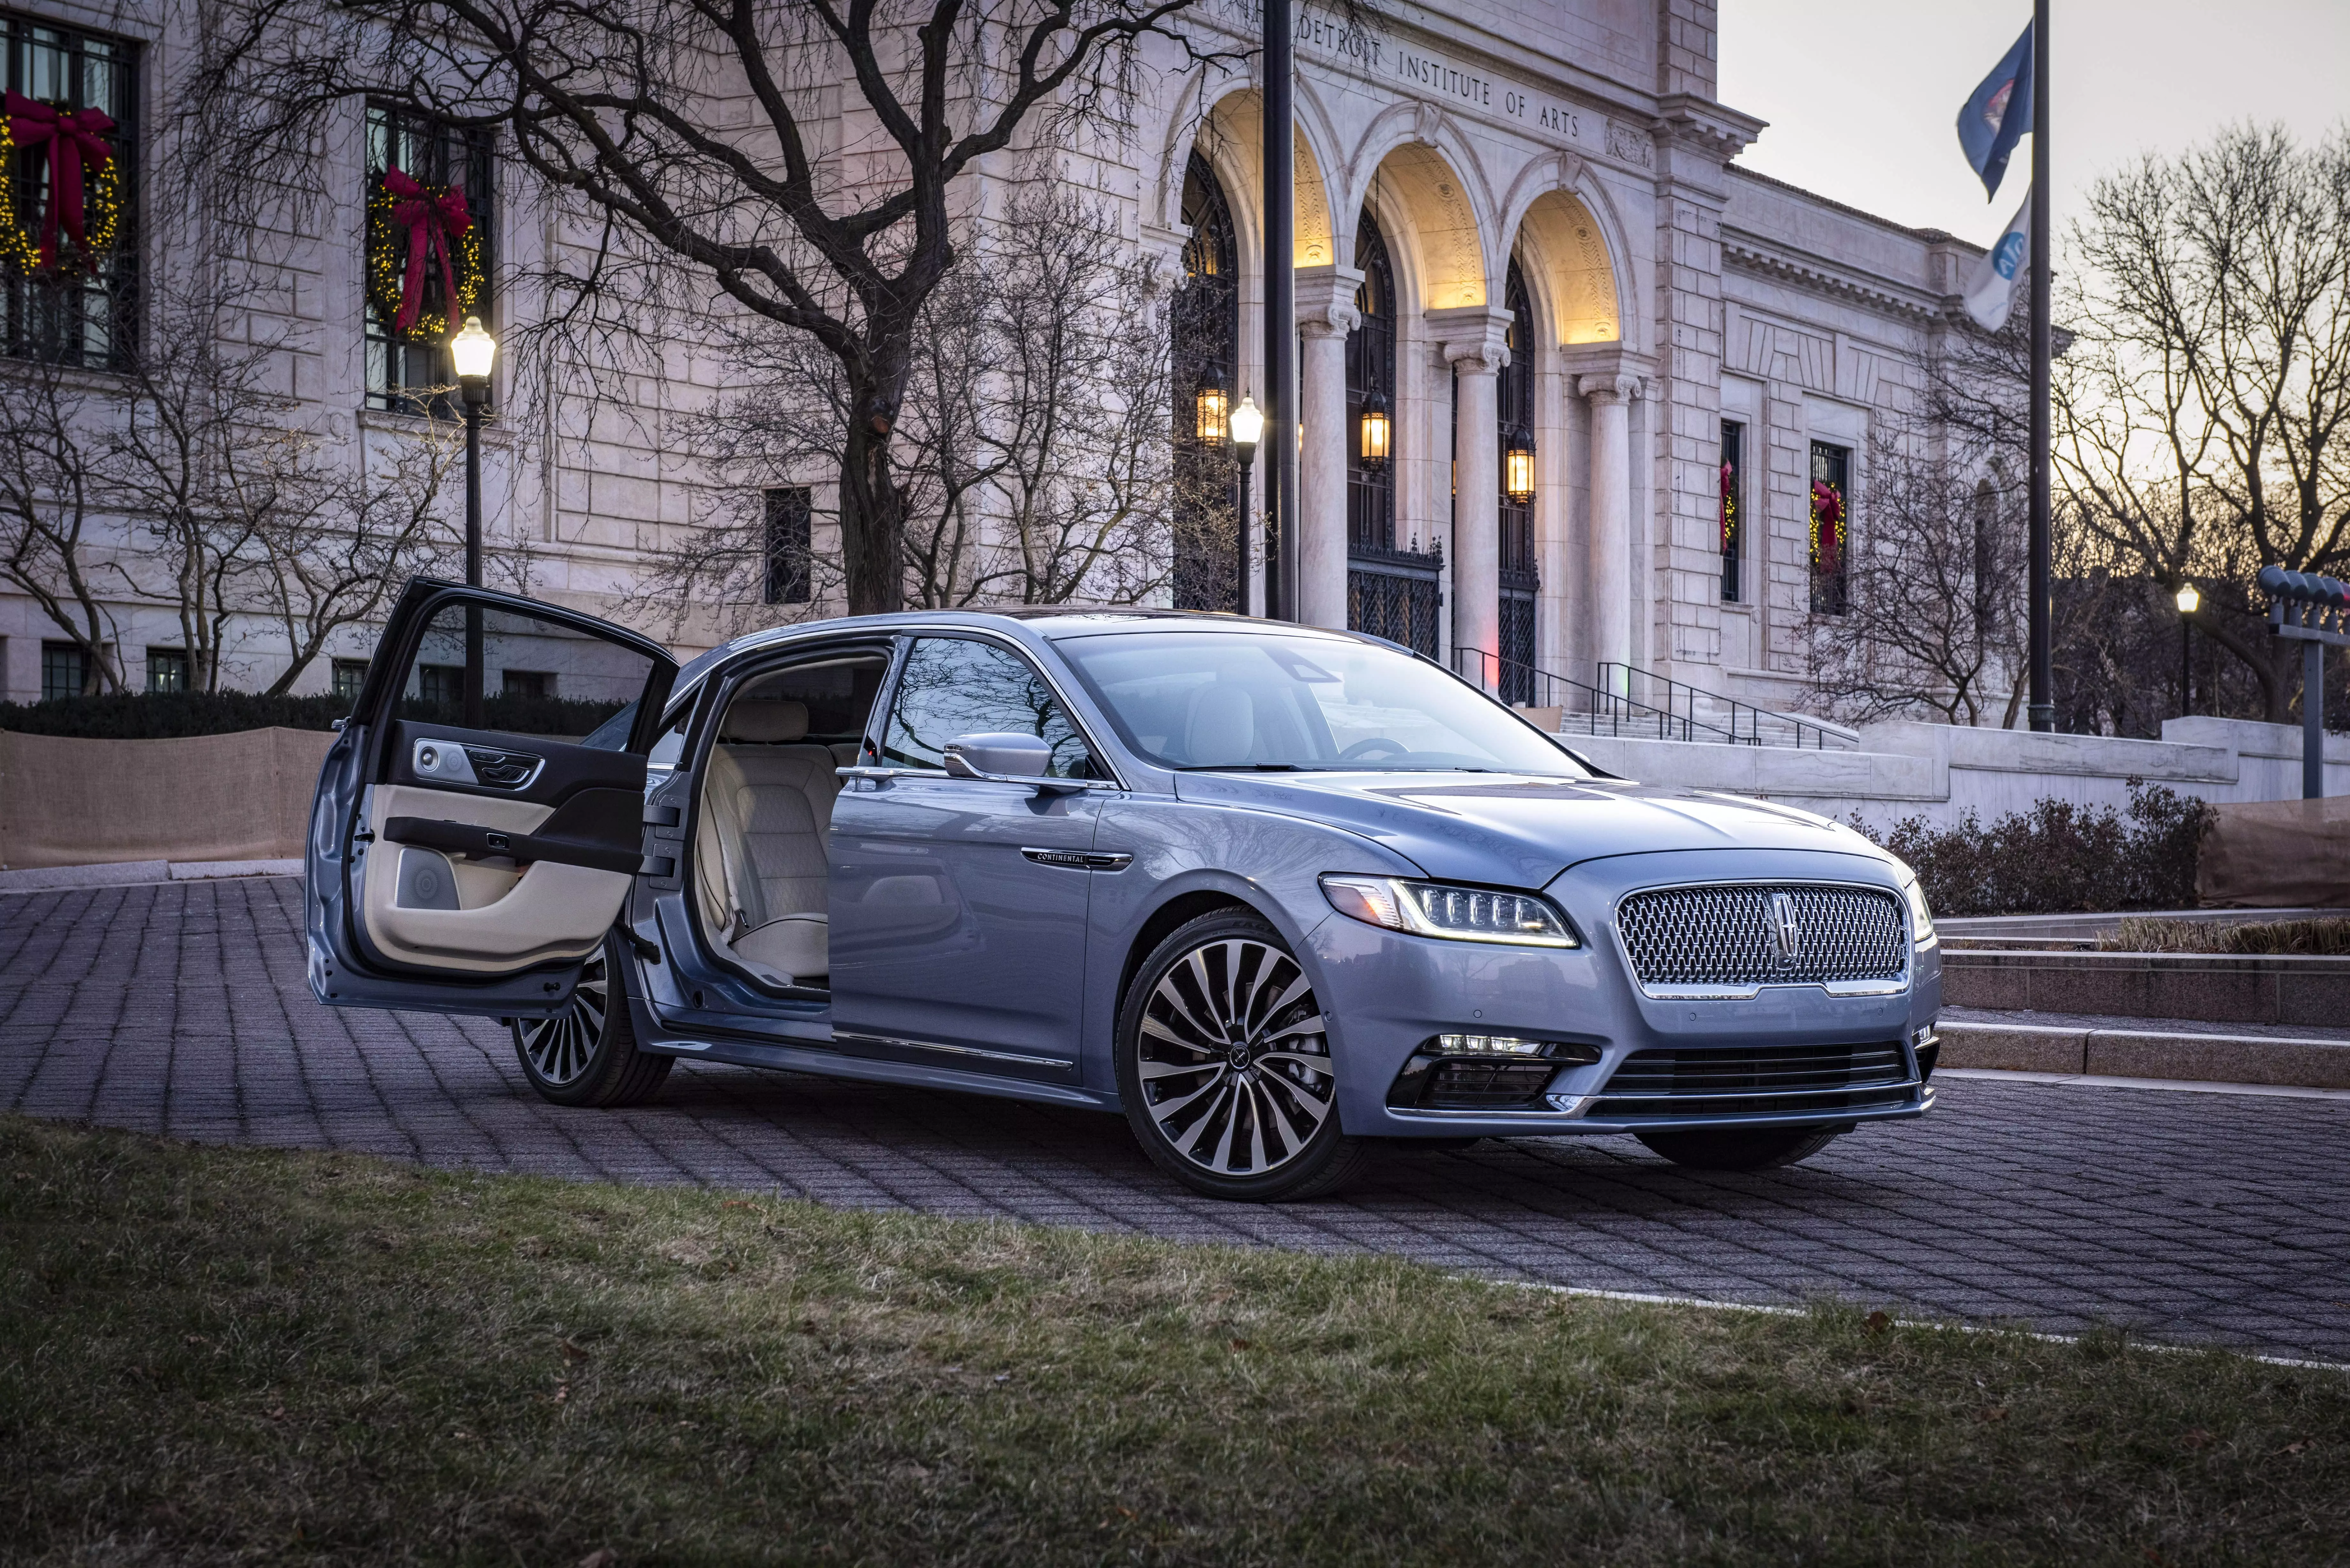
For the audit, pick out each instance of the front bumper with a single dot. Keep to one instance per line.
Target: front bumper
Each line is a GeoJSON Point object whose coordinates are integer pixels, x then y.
{"type": "Point", "coordinates": [1386, 995]}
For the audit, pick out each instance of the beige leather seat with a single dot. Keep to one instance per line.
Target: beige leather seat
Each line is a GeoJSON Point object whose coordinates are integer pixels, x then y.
{"type": "Point", "coordinates": [760, 851]}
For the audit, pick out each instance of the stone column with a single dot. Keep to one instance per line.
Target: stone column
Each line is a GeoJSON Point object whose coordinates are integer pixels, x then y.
{"type": "Point", "coordinates": [1476, 340]}
{"type": "Point", "coordinates": [1325, 314]}
{"type": "Point", "coordinates": [1611, 515]}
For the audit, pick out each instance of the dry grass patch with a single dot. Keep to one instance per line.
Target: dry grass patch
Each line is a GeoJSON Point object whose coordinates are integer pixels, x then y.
{"type": "Point", "coordinates": [220, 1356]}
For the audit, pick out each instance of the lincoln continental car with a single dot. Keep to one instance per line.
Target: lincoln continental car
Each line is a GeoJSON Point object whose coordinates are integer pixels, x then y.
{"type": "Point", "coordinates": [1277, 895]}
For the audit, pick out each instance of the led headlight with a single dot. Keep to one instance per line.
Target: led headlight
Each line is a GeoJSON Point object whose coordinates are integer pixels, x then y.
{"type": "Point", "coordinates": [1442, 910]}
{"type": "Point", "coordinates": [1921, 919]}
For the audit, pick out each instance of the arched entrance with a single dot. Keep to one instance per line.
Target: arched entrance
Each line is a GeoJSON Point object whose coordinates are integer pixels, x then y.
{"type": "Point", "coordinates": [1521, 581]}
{"type": "Point", "coordinates": [1391, 583]}
{"type": "Point", "coordinates": [1205, 323]}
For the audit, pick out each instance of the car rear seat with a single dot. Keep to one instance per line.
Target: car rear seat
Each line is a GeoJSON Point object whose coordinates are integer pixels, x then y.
{"type": "Point", "coordinates": [760, 852]}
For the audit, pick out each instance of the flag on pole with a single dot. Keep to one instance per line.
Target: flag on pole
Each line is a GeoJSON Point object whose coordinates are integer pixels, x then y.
{"type": "Point", "coordinates": [1998, 114]}
{"type": "Point", "coordinates": [1991, 287]}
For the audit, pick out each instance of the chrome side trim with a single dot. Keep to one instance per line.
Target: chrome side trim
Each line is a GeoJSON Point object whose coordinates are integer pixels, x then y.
{"type": "Point", "coordinates": [1080, 860]}
{"type": "Point", "coordinates": [890, 1040]}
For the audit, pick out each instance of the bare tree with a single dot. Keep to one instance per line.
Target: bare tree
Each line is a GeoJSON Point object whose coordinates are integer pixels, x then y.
{"type": "Point", "coordinates": [2201, 405]}
{"type": "Point", "coordinates": [1934, 619]}
{"type": "Point", "coordinates": [827, 211]}
{"type": "Point", "coordinates": [318, 568]}
{"type": "Point", "coordinates": [52, 548]}
{"type": "Point", "coordinates": [1035, 462]}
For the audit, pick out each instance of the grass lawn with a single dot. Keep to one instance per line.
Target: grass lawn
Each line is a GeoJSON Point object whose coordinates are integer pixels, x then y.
{"type": "Point", "coordinates": [223, 1355]}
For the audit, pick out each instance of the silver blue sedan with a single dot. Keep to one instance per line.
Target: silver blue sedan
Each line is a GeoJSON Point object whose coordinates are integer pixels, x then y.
{"type": "Point", "coordinates": [1276, 894]}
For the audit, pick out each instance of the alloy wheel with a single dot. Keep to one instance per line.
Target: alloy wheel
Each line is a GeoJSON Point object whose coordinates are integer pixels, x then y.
{"type": "Point", "coordinates": [561, 1047]}
{"type": "Point", "coordinates": [1235, 1061]}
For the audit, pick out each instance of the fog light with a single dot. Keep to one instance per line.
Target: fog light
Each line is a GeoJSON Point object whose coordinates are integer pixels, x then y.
{"type": "Point", "coordinates": [1487, 1045]}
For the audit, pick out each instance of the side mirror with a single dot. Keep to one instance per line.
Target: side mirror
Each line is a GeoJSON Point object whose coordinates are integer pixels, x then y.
{"type": "Point", "coordinates": [1004, 759]}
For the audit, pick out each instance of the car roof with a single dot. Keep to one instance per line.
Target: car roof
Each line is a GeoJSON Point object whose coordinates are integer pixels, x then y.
{"type": "Point", "coordinates": [1050, 621]}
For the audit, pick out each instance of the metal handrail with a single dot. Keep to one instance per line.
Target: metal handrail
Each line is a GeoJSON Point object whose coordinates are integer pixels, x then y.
{"type": "Point", "coordinates": [1606, 710]}
{"type": "Point", "coordinates": [1750, 733]}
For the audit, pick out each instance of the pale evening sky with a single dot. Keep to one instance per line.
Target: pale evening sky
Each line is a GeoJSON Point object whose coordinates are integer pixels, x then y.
{"type": "Point", "coordinates": [1863, 96]}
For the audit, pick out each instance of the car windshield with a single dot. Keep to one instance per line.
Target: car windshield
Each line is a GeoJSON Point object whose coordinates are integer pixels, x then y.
{"type": "Point", "coordinates": [1244, 699]}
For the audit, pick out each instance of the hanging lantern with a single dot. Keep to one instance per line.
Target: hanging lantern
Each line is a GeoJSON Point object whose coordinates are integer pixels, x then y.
{"type": "Point", "coordinates": [1518, 466]}
{"type": "Point", "coordinates": [1214, 406]}
{"type": "Point", "coordinates": [1378, 432]}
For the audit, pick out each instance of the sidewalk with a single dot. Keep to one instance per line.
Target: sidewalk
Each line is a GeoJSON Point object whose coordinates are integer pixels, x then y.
{"type": "Point", "coordinates": [137, 873]}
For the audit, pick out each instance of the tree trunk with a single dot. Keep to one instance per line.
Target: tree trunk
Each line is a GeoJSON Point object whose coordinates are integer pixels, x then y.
{"type": "Point", "coordinates": [872, 512]}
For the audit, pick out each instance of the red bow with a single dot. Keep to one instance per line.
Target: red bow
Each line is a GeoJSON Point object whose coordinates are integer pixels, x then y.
{"type": "Point", "coordinates": [74, 145]}
{"type": "Point", "coordinates": [432, 222]}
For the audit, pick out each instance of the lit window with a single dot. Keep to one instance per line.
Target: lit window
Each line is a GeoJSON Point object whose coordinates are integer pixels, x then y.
{"type": "Point", "coordinates": [427, 184]}
{"type": "Point", "coordinates": [73, 305]}
{"type": "Point", "coordinates": [167, 670]}
{"type": "Point", "coordinates": [350, 674]}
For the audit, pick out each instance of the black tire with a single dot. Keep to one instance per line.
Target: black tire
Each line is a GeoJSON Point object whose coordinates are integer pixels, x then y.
{"type": "Point", "coordinates": [586, 1054]}
{"type": "Point", "coordinates": [1739, 1149]}
{"type": "Point", "coordinates": [1272, 1089]}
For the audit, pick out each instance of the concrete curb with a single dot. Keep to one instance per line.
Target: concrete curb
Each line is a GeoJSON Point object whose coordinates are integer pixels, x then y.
{"type": "Point", "coordinates": [2291, 989]}
{"type": "Point", "coordinates": [2147, 1053]}
{"type": "Point", "coordinates": [139, 873]}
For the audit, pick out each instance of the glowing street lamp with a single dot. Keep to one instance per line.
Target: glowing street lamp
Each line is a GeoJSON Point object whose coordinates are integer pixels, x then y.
{"type": "Point", "coordinates": [473, 352]}
{"type": "Point", "coordinates": [1248, 429]}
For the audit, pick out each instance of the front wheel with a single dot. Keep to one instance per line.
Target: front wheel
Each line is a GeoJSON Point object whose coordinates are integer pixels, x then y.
{"type": "Point", "coordinates": [586, 1054]}
{"type": "Point", "coordinates": [1224, 1065]}
{"type": "Point", "coordinates": [1739, 1149]}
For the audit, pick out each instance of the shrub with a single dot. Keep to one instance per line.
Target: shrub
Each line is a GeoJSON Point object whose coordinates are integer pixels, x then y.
{"type": "Point", "coordinates": [2319, 937]}
{"type": "Point", "coordinates": [145, 716]}
{"type": "Point", "coordinates": [2059, 858]}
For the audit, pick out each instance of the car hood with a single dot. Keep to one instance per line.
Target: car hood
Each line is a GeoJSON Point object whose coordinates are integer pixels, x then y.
{"type": "Point", "coordinates": [1523, 830]}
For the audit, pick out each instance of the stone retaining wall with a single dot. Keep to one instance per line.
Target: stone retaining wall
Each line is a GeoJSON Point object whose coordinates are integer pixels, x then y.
{"type": "Point", "coordinates": [68, 802]}
{"type": "Point", "coordinates": [1943, 771]}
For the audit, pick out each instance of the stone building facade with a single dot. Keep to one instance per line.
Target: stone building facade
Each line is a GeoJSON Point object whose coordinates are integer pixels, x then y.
{"type": "Point", "coordinates": [1521, 228]}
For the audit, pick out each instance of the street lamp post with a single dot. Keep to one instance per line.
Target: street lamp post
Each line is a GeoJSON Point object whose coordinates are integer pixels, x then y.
{"type": "Point", "coordinates": [2188, 602]}
{"type": "Point", "coordinates": [1248, 429]}
{"type": "Point", "coordinates": [474, 351]}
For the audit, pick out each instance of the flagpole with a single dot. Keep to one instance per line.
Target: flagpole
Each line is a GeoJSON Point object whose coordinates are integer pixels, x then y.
{"type": "Point", "coordinates": [2043, 698]}
{"type": "Point", "coordinates": [1280, 313]}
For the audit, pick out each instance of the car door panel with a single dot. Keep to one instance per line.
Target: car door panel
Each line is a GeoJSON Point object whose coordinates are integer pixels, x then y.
{"type": "Point", "coordinates": [470, 869]}
{"type": "Point", "coordinates": [947, 936]}
{"type": "Point", "coordinates": [943, 931]}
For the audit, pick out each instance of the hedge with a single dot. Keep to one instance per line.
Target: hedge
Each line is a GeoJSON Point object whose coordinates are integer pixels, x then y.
{"type": "Point", "coordinates": [2059, 858]}
{"type": "Point", "coordinates": [145, 716]}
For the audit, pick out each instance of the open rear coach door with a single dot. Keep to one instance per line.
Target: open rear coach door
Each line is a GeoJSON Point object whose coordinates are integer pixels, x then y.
{"type": "Point", "coordinates": [478, 822]}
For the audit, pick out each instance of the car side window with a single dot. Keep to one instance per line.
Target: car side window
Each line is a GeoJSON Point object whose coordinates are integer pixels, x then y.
{"type": "Point", "coordinates": [958, 686]}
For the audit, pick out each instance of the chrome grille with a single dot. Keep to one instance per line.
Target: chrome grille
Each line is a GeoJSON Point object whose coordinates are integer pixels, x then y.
{"type": "Point", "coordinates": [1730, 935]}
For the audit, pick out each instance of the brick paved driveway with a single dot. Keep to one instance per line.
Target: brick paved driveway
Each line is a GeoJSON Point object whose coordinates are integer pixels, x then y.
{"type": "Point", "coordinates": [179, 1008]}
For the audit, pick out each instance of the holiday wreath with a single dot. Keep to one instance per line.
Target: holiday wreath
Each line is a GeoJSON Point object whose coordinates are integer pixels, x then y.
{"type": "Point", "coordinates": [409, 226]}
{"type": "Point", "coordinates": [1729, 509]}
{"type": "Point", "coordinates": [1828, 529]}
{"type": "Point", "coordinates": [85, 187]}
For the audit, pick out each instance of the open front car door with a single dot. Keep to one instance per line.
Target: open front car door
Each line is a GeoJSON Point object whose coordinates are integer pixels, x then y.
{"type": "Point", "coordinates": [478, 824]}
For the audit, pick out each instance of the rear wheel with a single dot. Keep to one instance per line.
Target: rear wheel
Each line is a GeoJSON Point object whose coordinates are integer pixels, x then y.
{"type": "Point", "coordinates": [1224, 1065]}
{"type": "Point", "coordinates": [1739, 1149]}
{"type": "Point", "coordinates": [586, 1054]}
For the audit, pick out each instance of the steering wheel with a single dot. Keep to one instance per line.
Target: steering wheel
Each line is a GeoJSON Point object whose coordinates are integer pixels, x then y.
{"type": "Point", "coordinates": [1374, 744]}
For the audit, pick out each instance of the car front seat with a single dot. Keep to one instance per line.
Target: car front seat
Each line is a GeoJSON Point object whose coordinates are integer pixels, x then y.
{"type": "Point", "coordinates": [760, 850]}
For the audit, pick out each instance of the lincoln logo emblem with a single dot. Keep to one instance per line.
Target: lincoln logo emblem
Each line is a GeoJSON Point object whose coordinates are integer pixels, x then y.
{"type": "Point", "coordinates": [1787, 932]}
